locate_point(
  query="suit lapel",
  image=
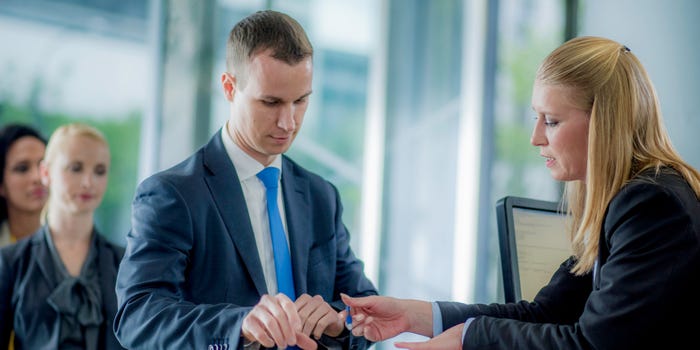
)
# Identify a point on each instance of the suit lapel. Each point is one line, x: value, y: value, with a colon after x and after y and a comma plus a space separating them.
x: 296, y: 207
x: 44, y: 257
x: 225, y: 188
x: 108, y: 273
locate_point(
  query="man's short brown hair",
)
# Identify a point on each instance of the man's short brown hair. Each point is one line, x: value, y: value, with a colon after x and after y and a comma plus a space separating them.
x: 266, y: 30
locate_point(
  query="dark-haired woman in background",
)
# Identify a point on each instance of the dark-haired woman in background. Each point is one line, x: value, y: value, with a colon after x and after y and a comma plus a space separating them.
x: 22, y: 195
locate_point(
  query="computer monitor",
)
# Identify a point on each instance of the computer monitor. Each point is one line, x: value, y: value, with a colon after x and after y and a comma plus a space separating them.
x: 533, y: 243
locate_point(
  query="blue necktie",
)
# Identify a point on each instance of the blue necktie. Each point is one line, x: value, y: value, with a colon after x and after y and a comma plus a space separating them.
x: 283, y: 261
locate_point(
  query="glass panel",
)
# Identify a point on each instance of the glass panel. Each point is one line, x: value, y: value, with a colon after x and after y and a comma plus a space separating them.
x: 663, y: 35
x: 424, y: 70
x: 423, y: 101
x: 71, y: 60
x: 527, y: 32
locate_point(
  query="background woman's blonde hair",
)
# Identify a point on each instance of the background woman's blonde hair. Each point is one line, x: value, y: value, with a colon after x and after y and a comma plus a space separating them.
x: 57, y: 143
x: 626, y: 132
x: 67, y: 132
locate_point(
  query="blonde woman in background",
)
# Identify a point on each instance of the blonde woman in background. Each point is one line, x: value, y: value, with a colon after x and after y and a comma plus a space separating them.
x: 22, y: 195
x: 57, y: 287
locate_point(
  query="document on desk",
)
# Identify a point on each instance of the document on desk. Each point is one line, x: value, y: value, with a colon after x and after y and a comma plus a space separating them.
x: 542, y: 244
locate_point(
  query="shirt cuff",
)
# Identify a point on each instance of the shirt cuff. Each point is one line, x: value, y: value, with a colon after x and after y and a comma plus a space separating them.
x: 466, y: 325
x: 437, y: 319
x: 250, y: 345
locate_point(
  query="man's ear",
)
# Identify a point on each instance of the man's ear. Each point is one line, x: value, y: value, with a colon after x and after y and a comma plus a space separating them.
x: 44, y: 173
x: 228, y: 82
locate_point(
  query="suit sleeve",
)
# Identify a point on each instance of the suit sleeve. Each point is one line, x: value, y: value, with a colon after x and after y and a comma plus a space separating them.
x: 653, y: 250
x: 560, y: 301
x: 150, y: 291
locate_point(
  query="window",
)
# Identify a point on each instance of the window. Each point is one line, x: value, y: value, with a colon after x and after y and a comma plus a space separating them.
x: 80, y: 61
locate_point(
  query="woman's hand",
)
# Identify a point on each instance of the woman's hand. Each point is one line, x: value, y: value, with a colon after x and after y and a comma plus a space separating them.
x: 450, y: 339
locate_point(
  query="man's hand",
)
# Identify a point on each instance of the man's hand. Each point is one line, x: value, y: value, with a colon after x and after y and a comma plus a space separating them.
x: 274, y: 321
x: 318, y: 317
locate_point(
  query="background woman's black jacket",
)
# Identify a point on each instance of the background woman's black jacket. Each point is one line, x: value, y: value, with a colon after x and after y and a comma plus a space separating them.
x: 26, y: 282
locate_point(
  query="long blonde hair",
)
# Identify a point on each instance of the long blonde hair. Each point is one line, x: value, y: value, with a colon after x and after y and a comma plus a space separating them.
x: 626, y: 132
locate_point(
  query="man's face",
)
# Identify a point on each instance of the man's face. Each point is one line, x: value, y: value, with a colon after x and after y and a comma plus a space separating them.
x: 267, y: 109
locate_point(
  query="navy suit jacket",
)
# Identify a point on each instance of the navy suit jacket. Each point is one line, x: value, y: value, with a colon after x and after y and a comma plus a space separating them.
x: 28, y: 278
x: 646, y: 287
x: 191, y: 271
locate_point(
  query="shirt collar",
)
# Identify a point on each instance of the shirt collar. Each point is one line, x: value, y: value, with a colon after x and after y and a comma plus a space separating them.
x: 246, y: 167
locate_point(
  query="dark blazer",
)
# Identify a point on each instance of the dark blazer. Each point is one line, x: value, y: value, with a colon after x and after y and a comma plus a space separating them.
x: 191, y: 271
x: 27, y: 278
x: 646, y: 288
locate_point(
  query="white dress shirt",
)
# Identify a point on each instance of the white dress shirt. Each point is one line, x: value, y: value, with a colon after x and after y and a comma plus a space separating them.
x: 255, y: 196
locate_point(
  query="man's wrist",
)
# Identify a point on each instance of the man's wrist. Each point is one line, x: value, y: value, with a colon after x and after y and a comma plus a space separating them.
x: 250, y: 345
x: 338, y: 342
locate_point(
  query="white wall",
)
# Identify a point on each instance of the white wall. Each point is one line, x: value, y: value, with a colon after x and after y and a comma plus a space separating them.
x: 664, y: 36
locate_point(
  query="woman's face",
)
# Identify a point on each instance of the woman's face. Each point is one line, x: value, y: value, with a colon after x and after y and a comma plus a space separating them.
x: 561, y: 131
x: 77, y: 175
x: 22, y: 187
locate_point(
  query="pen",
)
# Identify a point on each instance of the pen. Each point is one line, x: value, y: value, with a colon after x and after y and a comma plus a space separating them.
x: 348, y: 318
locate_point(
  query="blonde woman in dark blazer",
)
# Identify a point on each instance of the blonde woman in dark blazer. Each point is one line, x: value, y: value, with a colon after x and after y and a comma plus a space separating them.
x: 635, y: 276
x: 57, y: 287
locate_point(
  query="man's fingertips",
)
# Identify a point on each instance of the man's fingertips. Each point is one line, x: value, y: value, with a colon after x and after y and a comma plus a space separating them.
x: 357, y: 331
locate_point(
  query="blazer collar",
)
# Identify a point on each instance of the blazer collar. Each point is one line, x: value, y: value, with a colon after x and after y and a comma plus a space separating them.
x: 298, y: 212
x: 225, y: 188
x: 43, y: 256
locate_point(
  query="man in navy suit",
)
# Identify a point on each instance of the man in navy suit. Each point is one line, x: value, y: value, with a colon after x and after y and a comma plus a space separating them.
x: 199, y: 269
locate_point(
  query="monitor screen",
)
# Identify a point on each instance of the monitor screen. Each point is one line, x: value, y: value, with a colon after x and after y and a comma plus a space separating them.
x: 533, y: 241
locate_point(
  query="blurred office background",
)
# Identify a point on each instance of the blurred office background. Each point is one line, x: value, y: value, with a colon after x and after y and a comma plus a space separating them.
x: 420, y: 112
